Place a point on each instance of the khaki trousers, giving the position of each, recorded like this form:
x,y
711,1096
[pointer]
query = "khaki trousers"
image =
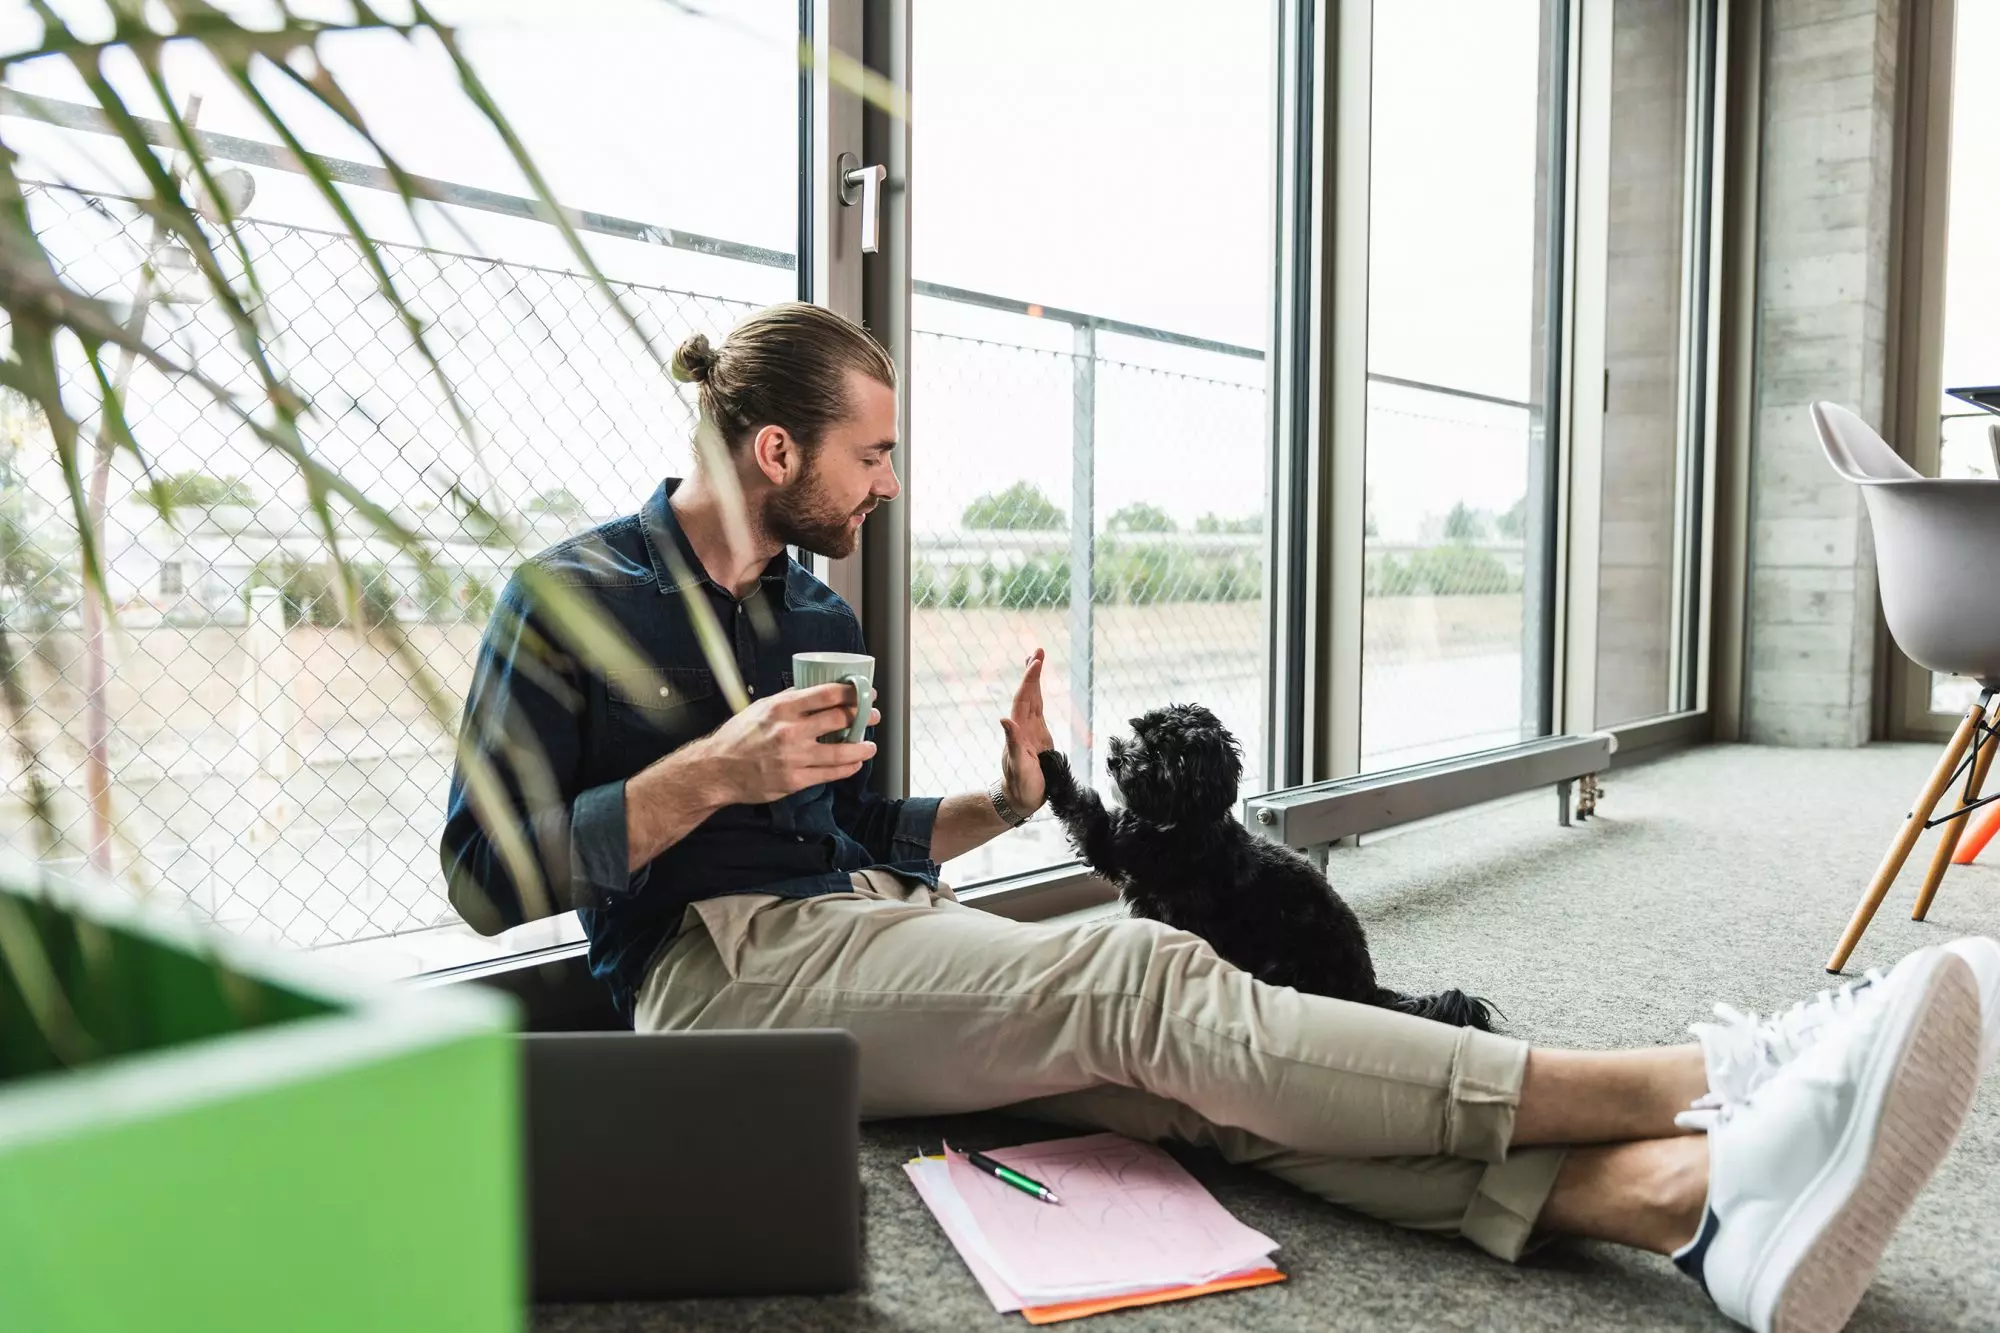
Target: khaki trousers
x,y
1129,1026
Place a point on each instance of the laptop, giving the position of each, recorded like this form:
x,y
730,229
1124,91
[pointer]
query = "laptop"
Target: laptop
x,y
1987,397
692,1163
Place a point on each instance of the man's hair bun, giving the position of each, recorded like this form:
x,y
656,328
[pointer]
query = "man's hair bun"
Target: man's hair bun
x,y
694,360
788,366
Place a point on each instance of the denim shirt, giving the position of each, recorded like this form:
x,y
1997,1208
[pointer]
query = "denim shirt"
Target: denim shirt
x,y
587,731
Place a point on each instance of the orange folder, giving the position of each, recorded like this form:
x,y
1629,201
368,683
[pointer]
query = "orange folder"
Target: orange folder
x,y
1055,1314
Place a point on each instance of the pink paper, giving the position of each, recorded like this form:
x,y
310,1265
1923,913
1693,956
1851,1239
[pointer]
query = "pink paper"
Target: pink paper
x,y
1130,1218
937,1195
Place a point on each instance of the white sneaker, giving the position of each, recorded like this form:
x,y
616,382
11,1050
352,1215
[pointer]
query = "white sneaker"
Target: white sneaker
x,y
1810,1175
1743,1051
1982,954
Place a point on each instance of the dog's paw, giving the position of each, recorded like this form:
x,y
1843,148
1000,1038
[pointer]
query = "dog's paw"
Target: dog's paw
x,y
1057,779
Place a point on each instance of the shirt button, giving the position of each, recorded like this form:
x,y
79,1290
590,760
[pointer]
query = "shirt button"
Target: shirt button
x,y
664,691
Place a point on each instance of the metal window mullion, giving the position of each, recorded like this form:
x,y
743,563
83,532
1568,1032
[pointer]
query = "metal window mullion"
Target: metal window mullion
x,y
1562,393
1928,67
886,288
1583,516
1681,646
1340,500
1706,360
1300,135
1734,331
834,259
1082,544
807,174
1541,570
836,113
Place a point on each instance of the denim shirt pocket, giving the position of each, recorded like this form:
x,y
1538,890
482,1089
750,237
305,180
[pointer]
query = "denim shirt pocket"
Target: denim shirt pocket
x,y
674,704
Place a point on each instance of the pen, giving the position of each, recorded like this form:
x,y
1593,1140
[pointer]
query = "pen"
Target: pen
x,y
1012,1177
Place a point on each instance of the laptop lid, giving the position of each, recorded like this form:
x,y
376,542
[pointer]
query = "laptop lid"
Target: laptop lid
x,y
692,1163
1987,396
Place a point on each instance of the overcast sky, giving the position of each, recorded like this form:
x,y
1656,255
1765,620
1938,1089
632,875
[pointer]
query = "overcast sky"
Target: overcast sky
x,y
1113,156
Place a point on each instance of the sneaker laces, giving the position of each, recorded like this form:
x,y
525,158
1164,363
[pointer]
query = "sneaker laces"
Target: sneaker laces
x,y
1708,1113
1744,1050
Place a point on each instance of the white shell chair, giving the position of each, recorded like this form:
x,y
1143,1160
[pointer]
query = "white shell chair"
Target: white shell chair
x,y
1937,559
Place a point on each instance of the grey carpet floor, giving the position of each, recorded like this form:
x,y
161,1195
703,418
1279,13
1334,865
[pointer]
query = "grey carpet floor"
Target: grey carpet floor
x,y
1723,874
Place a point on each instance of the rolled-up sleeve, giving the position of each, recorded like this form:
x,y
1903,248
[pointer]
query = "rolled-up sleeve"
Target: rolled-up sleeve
x,y
523,726
893,830
598,850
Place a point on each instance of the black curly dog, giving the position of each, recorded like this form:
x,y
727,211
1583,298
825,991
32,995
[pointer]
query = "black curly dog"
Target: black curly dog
x,y
1178,856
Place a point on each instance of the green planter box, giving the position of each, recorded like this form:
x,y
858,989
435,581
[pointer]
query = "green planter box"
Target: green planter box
x,y
249,1141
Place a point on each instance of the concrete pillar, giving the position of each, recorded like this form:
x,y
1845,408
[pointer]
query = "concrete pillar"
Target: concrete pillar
x,y
1822,295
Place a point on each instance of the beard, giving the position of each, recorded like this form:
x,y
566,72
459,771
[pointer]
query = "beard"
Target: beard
x,y
803,515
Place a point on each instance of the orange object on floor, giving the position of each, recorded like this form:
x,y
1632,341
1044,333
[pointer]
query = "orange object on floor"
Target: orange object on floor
x,y
1056,1314
1975,841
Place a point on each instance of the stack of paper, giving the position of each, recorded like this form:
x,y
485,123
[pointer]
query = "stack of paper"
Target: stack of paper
x,y
1133,1227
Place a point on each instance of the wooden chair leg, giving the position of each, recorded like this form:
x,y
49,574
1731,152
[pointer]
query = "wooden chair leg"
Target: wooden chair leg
x,y
1954,829
1975,843
1906,837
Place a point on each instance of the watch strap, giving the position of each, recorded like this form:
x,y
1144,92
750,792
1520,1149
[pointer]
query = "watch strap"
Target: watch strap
x,y
997,794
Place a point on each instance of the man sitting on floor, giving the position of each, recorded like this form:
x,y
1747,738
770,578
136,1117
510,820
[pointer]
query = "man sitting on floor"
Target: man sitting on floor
x,y
734,872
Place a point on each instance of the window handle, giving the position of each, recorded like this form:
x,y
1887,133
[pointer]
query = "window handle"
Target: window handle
x,y
863,186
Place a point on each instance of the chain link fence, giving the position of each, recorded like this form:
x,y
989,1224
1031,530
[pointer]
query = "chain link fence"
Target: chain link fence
x,y
260,757
1170,464
1106,511
235,740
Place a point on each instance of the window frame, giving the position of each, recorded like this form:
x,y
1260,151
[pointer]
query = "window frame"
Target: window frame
x,y
1703,450
1317,388
1915,378
1318,378
1318,395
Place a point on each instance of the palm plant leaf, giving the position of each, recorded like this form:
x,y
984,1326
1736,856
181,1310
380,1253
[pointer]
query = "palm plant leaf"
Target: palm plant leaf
x,y
713,456
53,324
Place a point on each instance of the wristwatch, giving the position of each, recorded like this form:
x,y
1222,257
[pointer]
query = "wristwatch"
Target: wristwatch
x,y
997,794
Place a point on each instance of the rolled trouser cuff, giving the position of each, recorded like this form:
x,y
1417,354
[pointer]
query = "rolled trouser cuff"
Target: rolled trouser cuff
x,y
1486,1074
1511,1195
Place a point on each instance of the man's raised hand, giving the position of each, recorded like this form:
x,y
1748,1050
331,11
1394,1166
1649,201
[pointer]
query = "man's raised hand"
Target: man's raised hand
x,y
1027,733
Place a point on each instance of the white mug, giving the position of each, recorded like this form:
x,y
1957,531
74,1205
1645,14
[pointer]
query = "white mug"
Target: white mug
x,y
856,669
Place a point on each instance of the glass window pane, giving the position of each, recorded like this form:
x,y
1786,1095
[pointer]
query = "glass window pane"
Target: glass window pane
x,y
264,760
1112,159
1458,262
1972,272
1643,549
